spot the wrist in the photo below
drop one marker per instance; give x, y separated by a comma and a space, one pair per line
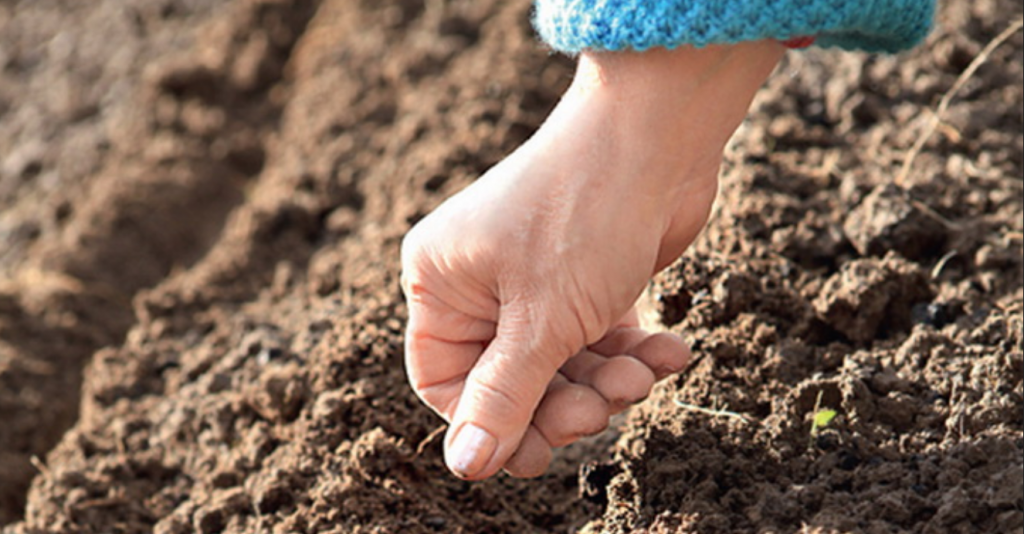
672, 92
649, 129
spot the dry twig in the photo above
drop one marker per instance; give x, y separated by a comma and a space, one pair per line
940, 111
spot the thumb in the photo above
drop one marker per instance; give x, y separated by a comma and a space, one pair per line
500, 396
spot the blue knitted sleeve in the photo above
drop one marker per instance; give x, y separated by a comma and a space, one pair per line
873, 25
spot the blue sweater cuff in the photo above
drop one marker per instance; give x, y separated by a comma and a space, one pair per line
572, 26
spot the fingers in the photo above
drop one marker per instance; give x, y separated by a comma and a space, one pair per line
533, 456
620, 380
498, 391
664, 353
624, 365
620, 341
570, 411
487, 383
439, 355
614, 373
498, 401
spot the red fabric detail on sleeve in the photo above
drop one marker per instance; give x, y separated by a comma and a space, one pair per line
799, 42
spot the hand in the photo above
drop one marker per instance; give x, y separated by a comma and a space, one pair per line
520, 287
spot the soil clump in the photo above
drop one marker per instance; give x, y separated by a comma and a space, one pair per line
201, 205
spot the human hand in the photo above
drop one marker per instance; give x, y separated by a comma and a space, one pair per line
520, 287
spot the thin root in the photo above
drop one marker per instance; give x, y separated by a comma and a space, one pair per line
430, 439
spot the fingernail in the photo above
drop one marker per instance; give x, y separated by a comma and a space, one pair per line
470, 450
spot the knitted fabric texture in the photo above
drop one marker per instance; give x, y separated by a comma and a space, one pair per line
572, 26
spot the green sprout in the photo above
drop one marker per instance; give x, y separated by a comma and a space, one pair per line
822, 418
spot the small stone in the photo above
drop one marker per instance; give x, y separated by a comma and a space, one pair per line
435, 522
935, 314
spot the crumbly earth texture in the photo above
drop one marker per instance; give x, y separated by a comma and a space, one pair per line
201, 204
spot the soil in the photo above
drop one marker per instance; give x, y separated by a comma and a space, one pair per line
201, 204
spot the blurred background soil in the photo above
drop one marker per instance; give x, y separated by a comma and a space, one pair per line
201, 204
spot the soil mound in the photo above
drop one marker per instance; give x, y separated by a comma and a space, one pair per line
201, 205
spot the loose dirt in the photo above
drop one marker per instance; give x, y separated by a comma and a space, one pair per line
200, 323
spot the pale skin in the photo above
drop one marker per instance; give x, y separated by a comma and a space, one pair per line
521, 332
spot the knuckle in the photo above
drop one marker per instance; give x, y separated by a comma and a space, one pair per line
501, 401
440, 397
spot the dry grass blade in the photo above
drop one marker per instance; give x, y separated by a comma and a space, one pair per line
712, 412
940, 111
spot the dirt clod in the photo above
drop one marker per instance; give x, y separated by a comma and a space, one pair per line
868, 298
888, 220
201, 205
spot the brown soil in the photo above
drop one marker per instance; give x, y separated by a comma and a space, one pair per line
201, 329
